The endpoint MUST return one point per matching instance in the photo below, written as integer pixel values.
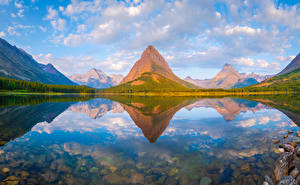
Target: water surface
(139, 140)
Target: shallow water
(138, 140)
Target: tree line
(7, 84)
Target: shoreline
(191, 94)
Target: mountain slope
(294, 65)
(16, 63)
(148, 82)
(291, 79)
(228, 78)
(97, 79)
(152, 61)
(288, 77)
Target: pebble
(205, 181)
(5, 170)
(276, 141)
(245, 167)
(286, 136)
(287, 180)
(294, 144)
(278, 150)
(298, 152)
(288, 148)
(295, 172)
(11, 180)
(298, 133)
(290, 132)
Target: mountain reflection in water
(87, 140)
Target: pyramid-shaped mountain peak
(152, 61)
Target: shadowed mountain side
(287, 105)
(229, 108)
(152, 115)
(11, 126)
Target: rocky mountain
(17, 64)
(151, 73)
(294, 65)
(228, 78)
(152, 61)
(97, 79)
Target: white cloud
(244, 61)
(18, 4)
(13, 15)
(2, 34)
(104, 33)
(81, 28)
(71, 65)
(59, 24)
(20, 13)
(241, 30)
(44, 29)
(52, 14)
(285, 58)
(14, 29)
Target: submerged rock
(205, 181)
(298, 152)
(245, 167)
(282, 165)
(5, 170)
(294, 144)
(286, 136)
(276, 141)
(11, 180)
(278, 150)
(295, 172)
(287, 180)
(288, 148)
(268, 181)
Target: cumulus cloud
(73, 65)
(52, 13)
(59, 24)
(188, 32)
(18, 4)
(2, 34)
(20, 13)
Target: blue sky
(196, 37)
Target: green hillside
(291, 79)
(148, 82)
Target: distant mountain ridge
(17, 64)
(228, 78)
(97, 79)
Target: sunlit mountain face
(143, 140)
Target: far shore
(194, 94)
